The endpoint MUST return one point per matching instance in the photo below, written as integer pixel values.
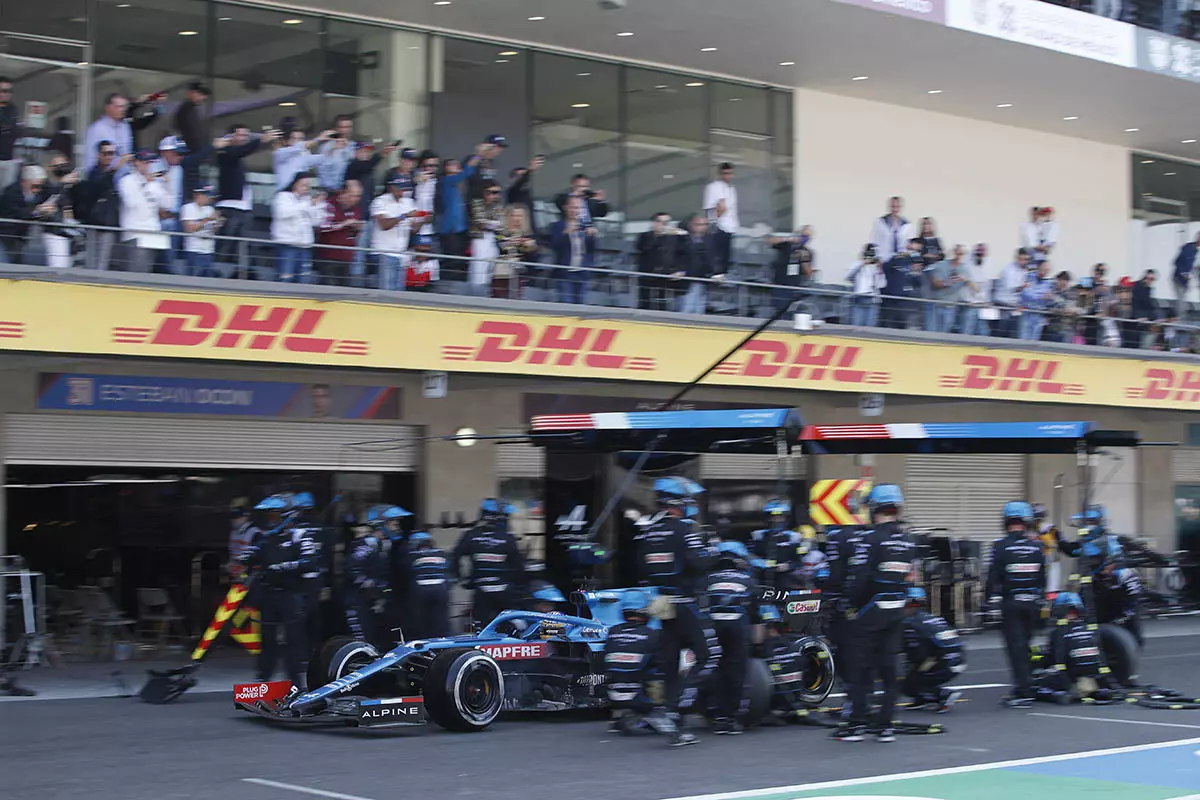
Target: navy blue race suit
(673, 556)
(629, 653)
(497, 570)
(367, 585)
(840, 546)
(729, 592)
(934, 656)
(1075, 653)
(285, 560)
(429, 592)
(878, 580)
(1018, 577)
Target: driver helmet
(678, 492)
(884, 495)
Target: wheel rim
(479, 690)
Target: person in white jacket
(143, 198)
(295, 214)
(867, 278)
(891, 232)
(393, 215)
(976, 293)
(1040, 235)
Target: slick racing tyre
(464, 690)
(802, 672)
(1121, 652)
(338, 657)
(756, 692)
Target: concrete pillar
(399, 80)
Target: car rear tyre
(464, 690)
(756, 692)
(1120, 652)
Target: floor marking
(933, 773)
(291, 787)
(952, 686)
(1117, 721)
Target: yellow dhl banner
(106, 320)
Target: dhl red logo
(508, 342)
(1181, 386)
(1003, 374)
(806, 361)
(196, 323)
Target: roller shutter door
(1185, 466)
(183, 442)
(519, 460)
(743, 467)
(964, 493)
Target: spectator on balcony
(142, 199)
(10, 132)
(62, 189)
(1040, 235)
(1062, 320)
(890, 235)
(517, 244)
(1007, 294)
(933, 284)
(392, 215)
(867, 278)
(931, 251)
(958, 274)
(24, 202)
(903, 274)
(520, 191)
(1185, 266)
(574, 245)
(341, 226)
(1094, 297)
(405, 168)
(487, 220)
(295, 155)
(485, 172)
(451, 216)
(657, 251)
(721, 206)
(338, 152)
(593, 205)
(99, 204)
(696, 260)
(1122, 307)
(296, 213)
(425, 188)
(976, 293)
(1037, 297)
(234, 198)
(113, 127)
(200, 222)
(794, 264)
(1145, 308)
(191, 118)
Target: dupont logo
(1027, 376)
(807, 362)
(804, 606)
(249, 326)
(12, 330)
(1179, 386)
(516, 652)
(506, 342)
(264, 692)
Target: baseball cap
(364, 144)
(172, 144)
(496, 139)
(403, 181)
(409, 154)
(199, 86)
(146, 155)
(204, 190)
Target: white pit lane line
(933, 773)
(1115, 721)
(291, 787)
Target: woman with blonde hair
(516, 243)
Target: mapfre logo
(1161, 383)
(506, 342)
(808, 362)
(249, 326)
(1028, 376)
(516, 652)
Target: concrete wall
(976, 179)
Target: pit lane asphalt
(201, 747)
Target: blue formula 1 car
(522, 661)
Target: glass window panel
(60, 19)
(576, 126)
(784, 161)
(749, 150)
(478, 92)
(737, 107)
(666, 150)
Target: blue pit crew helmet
(777, 508)
(734, 553)
(304, 501)
(419, 539)
(1018, 509)
(678, 492)
(885, 494)
(276, 502)
(545, 592)
(636, 603)
(916, 596)
(492, 508)
(1068, 601)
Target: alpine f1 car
(522, 661)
